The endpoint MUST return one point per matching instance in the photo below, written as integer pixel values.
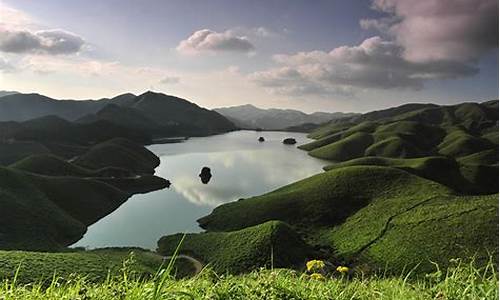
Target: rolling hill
(251, 117)
(365, 214)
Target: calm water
(241, 167)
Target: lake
(241, 167)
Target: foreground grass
(461, 281)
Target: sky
(334, 55)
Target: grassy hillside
(409, 131)
(324, 199)
(95, 265)
(119, 153)
(470, 176)
(359, 214)
(29, 219)
(436, 229)
(243, 250)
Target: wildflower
(315, 265)
(342, 269)
(317, 276)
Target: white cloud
(53, 42)
(375, 63)
(206, 40)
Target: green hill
(243, 250)
(459, 176)
(350, 147)
(29, 219)
(409, 131)
(351, 210)
(119, 153)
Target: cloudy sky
(309, 55)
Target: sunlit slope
(409, 131)
(363, 213)
(269, 244)
(471, 175)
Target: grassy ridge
(269, 244)
(468, 175)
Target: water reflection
(241, 167)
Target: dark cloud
(375, 63)
(45, 41)
(206, 40)
(437, 30)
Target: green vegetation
(269, 244)
(95, 265)
(350, 147)
(119, 153)
(409, 131)
(463, 176)
(365, 214)
(324, 199)
(461, 281)
(29, 219)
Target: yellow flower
(317, 276)
(315, 265)
(342, 269)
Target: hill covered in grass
(381, 217)
(268, 244)
(409, 131)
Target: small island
(289, 141)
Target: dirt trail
(198, 265)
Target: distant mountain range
(249, 116)
(155, 113)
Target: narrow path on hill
(198, 265)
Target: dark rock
(205, 175)
(261, 139)
(289, 141)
